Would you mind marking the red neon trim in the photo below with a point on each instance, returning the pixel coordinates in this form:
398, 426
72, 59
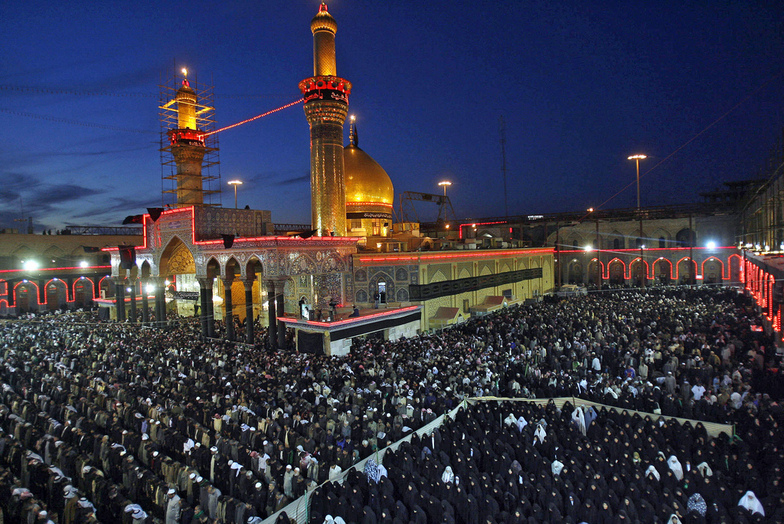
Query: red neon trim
482, 254
46, 288
52, 269
719, 261
636, 260
83, 279
609, 266
474, 224
662, 260
37, 292
629, 249
678, 265
349, 320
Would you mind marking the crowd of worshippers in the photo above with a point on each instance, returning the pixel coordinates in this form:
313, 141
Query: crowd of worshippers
113, 422
516, 462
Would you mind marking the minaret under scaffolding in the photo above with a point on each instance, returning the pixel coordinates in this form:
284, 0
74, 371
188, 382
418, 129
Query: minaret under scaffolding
326, 107
187, 124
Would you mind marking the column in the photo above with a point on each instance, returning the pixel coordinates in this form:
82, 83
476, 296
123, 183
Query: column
273, 319
160, 303
145, 303
281, 309
229, 317
203, 307
248, 282
134, 283
210, 311
119, 298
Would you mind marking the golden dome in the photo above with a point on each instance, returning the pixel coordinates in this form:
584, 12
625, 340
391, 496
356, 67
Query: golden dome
366, 181
323, 21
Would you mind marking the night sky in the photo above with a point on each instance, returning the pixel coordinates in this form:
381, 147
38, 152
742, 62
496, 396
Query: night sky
580, 85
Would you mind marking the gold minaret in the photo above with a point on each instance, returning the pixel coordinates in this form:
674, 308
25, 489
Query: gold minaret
187, 146
326, 107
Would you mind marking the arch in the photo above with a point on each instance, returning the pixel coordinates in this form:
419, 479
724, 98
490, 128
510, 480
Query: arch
660, 237
106, 287
176, 259
383, 285
662, 270
712, 270
3, 287
303, 264
145, 270
232, 268
638, 270
686, 270
83, 292
592, 270
26, 296
686, 238
56, 294
734, 268
575, 272
616, 271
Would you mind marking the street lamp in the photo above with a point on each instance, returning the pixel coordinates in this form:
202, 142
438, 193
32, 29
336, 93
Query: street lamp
235, 183
598, 251
445, 184
637, 159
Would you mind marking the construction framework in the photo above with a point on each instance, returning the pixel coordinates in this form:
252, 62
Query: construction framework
205, 122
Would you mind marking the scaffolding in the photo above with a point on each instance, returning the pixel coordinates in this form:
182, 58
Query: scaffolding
205, 122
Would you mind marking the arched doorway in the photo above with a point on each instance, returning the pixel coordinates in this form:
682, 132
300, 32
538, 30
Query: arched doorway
56, 294
595, 271
178, 267
617, 270
735, 263
712, 270
26, 297
662, 269
83, 292
687, 271
575, 272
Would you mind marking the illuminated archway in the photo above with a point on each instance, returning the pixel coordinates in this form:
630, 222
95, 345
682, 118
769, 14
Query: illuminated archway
56, 294
83, 292
26, 296
616, 270
662, 270
712, 271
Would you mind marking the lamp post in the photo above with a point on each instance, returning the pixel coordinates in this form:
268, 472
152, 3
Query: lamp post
637, 159
445, 184
235, 183
598, 251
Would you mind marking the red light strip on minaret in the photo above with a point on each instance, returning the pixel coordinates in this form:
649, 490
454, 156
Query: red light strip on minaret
256, 117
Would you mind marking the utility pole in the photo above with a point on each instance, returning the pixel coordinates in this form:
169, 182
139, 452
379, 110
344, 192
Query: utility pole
502, 131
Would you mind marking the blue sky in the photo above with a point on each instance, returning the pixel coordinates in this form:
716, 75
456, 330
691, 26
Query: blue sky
580, 85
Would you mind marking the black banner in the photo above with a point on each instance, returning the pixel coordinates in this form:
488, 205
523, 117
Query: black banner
463, 285
369, 214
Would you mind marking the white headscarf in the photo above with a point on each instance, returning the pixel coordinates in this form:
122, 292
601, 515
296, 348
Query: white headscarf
653, 471
556, 467
448, 476
704, 469
752, 503
540, 434
675, 466
579, 419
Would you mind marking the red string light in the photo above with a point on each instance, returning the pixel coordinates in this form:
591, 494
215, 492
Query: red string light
256, 117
